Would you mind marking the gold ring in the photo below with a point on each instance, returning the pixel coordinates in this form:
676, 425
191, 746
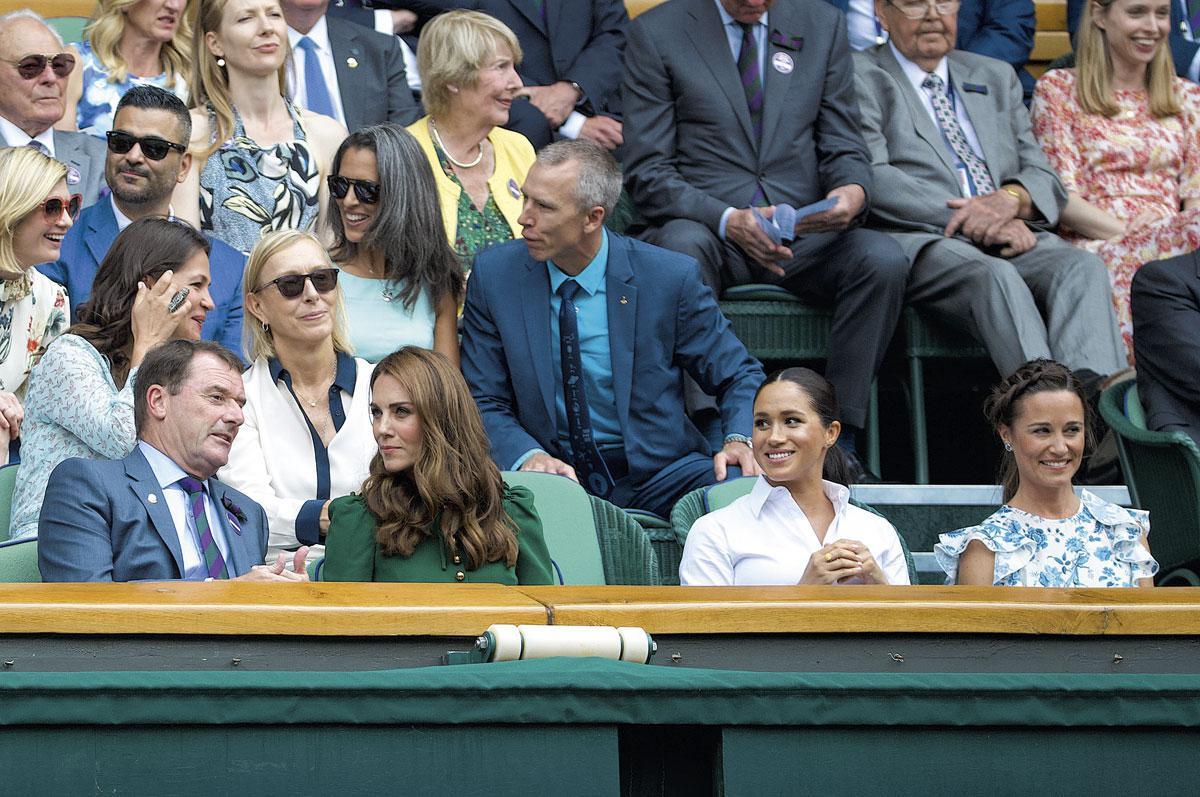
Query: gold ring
828, 557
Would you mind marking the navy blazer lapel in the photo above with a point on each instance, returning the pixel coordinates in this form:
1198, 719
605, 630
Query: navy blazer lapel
343, 41
622, 322
535, 307
144, 485
527, 10
981, 109
712, 49
101, 232
775, 82
925, 127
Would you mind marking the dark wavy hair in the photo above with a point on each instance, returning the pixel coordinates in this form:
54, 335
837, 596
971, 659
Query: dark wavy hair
1001, 407
143, 250
408, 229
453, 482
823, 398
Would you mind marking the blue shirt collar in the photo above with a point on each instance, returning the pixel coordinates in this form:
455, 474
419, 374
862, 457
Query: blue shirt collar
592, 276
344, 377
727, 20
166, 470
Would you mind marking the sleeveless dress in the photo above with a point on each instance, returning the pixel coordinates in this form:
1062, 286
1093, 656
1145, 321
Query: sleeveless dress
98, 100
247, 190
378, 320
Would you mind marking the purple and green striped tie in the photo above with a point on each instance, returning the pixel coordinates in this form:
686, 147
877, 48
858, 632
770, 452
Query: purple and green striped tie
748, 67
214, 563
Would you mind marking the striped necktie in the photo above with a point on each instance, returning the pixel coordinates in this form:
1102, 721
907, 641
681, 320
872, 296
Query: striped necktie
749, 69
214, 563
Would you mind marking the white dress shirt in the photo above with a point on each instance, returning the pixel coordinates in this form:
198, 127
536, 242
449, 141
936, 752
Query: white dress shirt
864, 30
168, 474
765, 538
916, 76
16, 137
298, 90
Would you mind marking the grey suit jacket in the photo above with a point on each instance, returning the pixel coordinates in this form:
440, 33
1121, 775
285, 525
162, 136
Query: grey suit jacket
83, 156
371, 76
914, 169
107, 520
690, 150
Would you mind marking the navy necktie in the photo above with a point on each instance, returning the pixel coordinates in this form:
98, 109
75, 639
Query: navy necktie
314, 80
589, 465
39, 146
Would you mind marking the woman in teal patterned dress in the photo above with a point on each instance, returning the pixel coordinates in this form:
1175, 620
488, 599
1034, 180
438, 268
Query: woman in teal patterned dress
260, 162
1045, 535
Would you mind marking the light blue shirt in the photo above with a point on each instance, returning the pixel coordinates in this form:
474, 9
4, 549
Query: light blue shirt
862, 27
168, 474
591, 307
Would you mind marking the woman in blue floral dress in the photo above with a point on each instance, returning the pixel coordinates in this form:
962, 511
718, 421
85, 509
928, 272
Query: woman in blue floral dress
1045, 535
260, 161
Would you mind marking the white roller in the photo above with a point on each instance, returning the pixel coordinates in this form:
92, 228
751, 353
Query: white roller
544, 641
635, 645
507, 643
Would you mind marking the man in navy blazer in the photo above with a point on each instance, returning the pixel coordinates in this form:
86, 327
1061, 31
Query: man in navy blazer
1185, 49
159, 514
642, 319
141, 187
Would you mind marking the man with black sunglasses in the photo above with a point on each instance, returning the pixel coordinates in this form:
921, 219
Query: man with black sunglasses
147, 157
34, 67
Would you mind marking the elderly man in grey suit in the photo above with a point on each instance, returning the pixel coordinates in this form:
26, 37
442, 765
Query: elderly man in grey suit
33, 77
963, 187
733, 104
345, 71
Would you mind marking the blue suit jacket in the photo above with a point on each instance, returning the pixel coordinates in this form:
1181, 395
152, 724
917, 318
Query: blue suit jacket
98, 523
662, 321
1183, 48
88, 241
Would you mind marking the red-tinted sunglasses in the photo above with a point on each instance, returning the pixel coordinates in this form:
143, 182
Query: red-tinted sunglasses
53, 207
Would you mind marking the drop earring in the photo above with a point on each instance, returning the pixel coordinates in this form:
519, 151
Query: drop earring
1008, 447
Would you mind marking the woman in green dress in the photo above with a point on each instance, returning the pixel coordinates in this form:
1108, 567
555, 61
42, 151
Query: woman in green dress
434, 508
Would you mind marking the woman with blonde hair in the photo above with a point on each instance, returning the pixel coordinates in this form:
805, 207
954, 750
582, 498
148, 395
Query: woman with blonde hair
260, 162
1123, 132
306, 438
468, 62
36, 210
127, 43
434, 508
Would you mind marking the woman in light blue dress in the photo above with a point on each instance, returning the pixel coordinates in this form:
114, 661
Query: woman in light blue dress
400, 279
128, 43
1045, 535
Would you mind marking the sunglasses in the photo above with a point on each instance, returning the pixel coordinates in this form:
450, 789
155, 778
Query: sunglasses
292, 285
153, 147
53, 207
32, 66
365, 190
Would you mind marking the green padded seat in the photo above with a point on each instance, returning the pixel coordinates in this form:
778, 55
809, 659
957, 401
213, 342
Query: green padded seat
19, 562
1162, 471
667, 550
703, 500
8, 480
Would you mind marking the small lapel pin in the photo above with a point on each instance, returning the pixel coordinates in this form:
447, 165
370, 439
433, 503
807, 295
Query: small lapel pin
783, 63
624, 300
73, 176
788, 42
514, 189
352, 62
152, 498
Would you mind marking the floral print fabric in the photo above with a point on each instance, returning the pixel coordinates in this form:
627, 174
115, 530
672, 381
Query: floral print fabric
477, 229
247, 190
1132, 165
33, 312
1098, 546
98, 102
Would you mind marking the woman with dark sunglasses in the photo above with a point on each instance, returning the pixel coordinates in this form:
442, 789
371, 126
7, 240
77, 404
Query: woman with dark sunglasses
151, 287
400, 279
35, 213
128, 43
306, 438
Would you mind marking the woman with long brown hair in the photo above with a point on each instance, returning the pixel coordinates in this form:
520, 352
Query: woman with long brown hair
80, 399
434, 507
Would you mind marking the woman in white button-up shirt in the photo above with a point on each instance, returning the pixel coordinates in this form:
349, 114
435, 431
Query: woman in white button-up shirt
307, 435
795, 527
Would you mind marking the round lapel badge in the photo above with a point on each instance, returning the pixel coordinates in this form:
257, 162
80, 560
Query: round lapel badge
73, 175
783, 63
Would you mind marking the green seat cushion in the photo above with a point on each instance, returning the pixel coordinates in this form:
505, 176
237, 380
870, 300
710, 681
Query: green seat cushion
567, 524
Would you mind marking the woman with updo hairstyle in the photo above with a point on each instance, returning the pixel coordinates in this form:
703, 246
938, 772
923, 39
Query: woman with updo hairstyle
435, 508
468, 63
36, 210
1045, 535
128, 43
797, 525
80, 400
400, 279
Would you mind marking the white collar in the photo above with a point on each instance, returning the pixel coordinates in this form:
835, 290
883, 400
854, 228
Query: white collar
16, 137
762, 492
124, 221
319, 35
916, 75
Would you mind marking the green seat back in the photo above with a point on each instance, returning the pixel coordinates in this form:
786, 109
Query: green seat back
19, 562
1134, 410
8, 480
69, 28
567, 523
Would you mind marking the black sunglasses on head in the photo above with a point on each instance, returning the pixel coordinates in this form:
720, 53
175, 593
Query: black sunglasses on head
153, 147
365, 190
31, 66
292, 285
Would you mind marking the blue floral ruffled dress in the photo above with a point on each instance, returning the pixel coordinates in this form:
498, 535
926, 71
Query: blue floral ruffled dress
1098, 546
99, 96
247, 190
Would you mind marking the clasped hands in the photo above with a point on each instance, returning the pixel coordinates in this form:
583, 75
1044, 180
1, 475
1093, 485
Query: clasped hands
743, 231
991, 220
840, 561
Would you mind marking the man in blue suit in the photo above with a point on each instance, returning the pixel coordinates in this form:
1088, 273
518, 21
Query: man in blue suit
141, 186
159, 514
576, 341
1185, 32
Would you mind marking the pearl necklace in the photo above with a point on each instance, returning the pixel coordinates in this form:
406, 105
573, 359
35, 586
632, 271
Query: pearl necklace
437, 139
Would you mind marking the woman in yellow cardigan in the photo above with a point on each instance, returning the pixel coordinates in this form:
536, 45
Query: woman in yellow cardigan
468, 64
